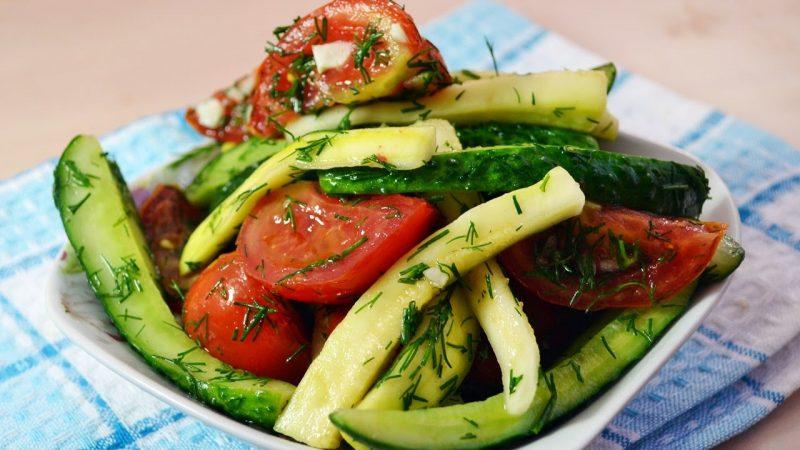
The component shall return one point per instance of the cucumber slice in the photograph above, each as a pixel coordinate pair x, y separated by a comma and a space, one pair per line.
611, 73
496, 133
568, 99
372, 327
572, 382
101, 223
214, 180
392, 147
661, 187
727, 258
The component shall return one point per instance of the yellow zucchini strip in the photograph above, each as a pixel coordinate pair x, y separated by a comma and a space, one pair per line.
509, 332
338, 377
505, 324
433, 363
397, 147
567, 99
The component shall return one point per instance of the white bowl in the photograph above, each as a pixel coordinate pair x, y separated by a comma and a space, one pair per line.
79, 315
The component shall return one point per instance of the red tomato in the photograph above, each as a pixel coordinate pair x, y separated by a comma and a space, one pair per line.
326, 319
310, 247
236, 319
613, 257
383, 55
234, 102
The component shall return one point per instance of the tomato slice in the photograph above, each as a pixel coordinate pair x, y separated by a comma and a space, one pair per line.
224, 116
236, 319
310, 247
613, 257
373, 50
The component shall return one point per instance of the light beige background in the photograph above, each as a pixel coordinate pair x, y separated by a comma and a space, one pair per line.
84, 66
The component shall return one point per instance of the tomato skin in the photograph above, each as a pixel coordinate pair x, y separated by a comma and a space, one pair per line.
288, 82
216, 314
672, 253
291, 232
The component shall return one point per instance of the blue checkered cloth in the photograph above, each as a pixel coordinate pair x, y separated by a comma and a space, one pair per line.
741, 364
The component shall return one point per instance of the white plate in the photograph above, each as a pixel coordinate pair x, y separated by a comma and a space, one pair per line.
77, 313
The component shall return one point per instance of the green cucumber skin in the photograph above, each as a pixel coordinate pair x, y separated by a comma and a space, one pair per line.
237, 393
223, 174
629, 335
660, 187
727, 258
495, 133
611, 73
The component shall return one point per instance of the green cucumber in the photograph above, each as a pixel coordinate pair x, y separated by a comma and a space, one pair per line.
223, 174
101, 223
496, 133
660, 187
611, 73
727, 258
561, 390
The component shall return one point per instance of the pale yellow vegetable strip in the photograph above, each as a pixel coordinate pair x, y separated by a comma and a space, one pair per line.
433, 364
338, 377
403, 148
607, 127
509, 333
506, 326
567, 99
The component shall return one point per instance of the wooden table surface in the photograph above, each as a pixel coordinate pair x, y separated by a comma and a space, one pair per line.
85, 66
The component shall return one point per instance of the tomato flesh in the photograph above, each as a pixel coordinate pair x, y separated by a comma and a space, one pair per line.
235, 104
326, 319
613, 257
238, 321
307, 246
387, 56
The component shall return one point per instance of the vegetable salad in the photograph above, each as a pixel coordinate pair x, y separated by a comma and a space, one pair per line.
377, 252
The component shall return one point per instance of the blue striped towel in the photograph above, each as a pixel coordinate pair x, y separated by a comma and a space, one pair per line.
741, 364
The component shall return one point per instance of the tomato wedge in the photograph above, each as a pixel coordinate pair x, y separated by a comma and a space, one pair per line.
236, 319
224, 116
613, 257
307, 246
368, 49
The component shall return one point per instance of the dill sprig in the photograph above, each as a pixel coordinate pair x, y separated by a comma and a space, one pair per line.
491, 53
314, 147
373, 158
364, 46
412, 274
254, 318
427, 244
324, 261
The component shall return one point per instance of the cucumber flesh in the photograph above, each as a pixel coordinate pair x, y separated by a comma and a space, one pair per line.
214, 180
572, 382
727, 258
101, 223
496, 133
661, 187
